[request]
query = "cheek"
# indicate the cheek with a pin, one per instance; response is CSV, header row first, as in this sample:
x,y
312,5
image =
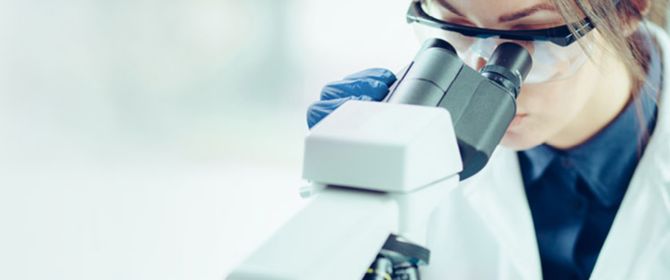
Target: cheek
x,y
549,107
548,101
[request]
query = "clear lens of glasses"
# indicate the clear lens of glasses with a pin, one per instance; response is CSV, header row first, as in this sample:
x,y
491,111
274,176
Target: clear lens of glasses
x,y
551,62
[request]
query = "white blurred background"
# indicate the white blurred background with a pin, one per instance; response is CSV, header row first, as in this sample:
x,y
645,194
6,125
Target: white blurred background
x,y
151,139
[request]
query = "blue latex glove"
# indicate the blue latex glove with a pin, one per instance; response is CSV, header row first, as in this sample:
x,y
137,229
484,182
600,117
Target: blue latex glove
x,y
368,85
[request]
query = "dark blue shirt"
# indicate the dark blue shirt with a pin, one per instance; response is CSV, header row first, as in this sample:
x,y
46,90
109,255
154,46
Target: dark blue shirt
x,y
574,194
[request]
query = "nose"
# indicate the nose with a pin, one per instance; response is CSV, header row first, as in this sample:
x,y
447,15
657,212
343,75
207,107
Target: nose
x,y
480,63
475,61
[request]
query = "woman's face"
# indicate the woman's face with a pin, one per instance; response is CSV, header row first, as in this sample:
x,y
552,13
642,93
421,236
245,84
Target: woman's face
x,y
546,111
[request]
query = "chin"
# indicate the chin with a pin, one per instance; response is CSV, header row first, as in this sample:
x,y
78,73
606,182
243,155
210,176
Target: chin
x,y
518,142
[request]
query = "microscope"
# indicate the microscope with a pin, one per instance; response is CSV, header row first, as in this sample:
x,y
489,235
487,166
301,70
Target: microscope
x,y
379,169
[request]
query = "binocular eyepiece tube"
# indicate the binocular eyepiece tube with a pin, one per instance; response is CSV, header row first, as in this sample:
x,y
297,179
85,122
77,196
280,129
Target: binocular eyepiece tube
x,y
482,104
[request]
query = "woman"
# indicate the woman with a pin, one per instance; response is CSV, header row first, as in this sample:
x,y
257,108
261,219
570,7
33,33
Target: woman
x,y
581,185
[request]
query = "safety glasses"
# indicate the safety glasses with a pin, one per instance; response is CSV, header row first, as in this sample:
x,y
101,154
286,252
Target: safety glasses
x,y
555,57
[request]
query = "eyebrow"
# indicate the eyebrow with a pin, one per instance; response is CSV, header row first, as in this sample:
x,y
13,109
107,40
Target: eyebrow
x,y
449,7
507,17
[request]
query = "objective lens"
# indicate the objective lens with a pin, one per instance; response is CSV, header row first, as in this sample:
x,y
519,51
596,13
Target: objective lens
x,y
381,269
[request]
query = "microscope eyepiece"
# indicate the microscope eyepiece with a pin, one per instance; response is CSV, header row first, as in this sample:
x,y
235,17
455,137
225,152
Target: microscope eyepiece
x,y
508,66
438,43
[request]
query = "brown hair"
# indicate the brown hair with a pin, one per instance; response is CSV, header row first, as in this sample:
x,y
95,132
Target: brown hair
x,y
618,33
618,30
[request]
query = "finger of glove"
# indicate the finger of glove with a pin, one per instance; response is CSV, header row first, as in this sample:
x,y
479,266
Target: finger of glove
x,y
373,88
379,74
321,109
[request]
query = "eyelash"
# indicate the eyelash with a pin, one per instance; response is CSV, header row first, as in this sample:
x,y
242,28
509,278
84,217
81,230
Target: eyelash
x,y
526,27
463,21
534,26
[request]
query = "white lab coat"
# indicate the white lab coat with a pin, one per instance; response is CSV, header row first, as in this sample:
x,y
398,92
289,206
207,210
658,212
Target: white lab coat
x,y
484,229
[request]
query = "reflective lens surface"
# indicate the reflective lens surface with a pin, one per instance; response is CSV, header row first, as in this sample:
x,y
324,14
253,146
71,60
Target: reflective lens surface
x,y
551,62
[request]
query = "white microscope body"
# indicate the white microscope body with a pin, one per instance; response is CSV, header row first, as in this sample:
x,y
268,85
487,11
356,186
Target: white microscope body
x,y
382,168
377,168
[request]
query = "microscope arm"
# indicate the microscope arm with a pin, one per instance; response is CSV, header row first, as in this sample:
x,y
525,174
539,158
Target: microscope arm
x,y
336,236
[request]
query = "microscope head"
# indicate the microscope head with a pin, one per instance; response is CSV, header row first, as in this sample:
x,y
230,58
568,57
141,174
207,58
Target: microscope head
x,y
482,104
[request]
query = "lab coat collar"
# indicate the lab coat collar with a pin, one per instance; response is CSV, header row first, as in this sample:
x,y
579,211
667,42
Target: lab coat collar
x,y
497,195
644,214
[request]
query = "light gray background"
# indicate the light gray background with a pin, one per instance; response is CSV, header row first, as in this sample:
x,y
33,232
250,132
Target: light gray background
x,y
152,139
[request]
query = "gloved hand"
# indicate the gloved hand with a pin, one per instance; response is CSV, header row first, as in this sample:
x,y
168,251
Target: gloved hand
x,y
368,85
